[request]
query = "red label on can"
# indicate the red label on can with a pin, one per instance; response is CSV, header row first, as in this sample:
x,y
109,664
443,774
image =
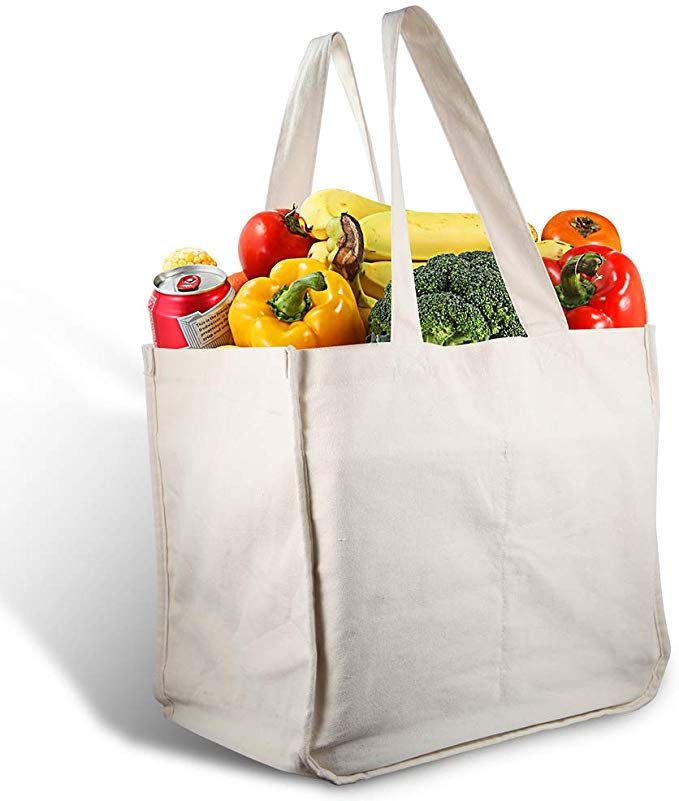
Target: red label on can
x,y
191,321
188,283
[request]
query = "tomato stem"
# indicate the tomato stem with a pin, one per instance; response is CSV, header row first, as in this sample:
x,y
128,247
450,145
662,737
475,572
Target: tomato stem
x,y
293,222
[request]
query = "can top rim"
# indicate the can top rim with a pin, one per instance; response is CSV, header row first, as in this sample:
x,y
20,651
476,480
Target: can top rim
x,y
211,278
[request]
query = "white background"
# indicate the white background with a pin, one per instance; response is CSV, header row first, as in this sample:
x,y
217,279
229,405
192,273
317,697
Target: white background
x,y
132,128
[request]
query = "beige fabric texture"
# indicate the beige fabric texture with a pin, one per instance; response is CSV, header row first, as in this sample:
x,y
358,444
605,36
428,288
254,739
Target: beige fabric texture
x,y
378,555
295,159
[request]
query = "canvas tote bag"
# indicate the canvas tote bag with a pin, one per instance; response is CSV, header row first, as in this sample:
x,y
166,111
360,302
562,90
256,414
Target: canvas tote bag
x,y
379,555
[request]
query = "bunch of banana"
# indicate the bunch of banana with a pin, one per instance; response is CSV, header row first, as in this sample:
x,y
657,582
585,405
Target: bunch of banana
x,y
430,233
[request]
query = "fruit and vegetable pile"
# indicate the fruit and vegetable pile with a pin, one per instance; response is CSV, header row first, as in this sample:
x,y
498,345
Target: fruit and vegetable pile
x,y
320,275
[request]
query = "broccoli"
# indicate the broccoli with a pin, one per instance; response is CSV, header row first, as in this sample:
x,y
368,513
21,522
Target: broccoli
x,y
461,298
445,318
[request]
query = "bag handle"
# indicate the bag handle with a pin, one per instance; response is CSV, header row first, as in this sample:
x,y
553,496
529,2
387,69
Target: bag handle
x,y
518,259
295,160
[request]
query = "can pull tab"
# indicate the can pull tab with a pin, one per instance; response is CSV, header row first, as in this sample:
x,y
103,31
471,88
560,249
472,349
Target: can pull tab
x,y
188,283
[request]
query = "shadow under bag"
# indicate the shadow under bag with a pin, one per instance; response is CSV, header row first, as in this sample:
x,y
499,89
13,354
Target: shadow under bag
x,y
379,555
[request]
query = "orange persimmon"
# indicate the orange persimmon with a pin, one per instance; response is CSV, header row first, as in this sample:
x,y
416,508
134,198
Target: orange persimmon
x,y
577,227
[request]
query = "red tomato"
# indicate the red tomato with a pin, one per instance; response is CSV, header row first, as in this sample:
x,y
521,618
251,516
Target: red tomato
x,y
270,237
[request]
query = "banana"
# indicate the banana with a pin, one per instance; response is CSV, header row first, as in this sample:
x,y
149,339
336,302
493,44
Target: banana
x,y
552,248
324,252
319,251
364,301
375,275
430,233
325,204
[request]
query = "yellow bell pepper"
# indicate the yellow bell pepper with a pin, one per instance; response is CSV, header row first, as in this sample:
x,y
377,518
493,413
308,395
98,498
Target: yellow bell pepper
x,y
300,304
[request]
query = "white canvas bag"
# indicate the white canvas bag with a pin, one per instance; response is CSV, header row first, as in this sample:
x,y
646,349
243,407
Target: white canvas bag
x,y
378,555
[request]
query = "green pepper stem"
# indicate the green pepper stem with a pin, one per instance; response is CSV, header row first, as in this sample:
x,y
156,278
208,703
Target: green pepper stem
x,y
574,291
292,302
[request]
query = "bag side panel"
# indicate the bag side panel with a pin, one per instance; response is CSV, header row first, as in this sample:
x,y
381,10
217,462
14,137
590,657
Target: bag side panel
x,y
484,526
238,658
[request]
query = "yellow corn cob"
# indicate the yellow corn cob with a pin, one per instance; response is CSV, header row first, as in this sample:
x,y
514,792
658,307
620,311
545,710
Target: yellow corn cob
x,y
184,256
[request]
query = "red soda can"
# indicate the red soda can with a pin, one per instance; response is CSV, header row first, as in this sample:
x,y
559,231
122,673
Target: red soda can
x,y
189,308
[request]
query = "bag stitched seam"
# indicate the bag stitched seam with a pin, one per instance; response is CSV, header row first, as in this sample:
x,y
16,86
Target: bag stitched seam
x,y
304,499
502,663
659,611
165,623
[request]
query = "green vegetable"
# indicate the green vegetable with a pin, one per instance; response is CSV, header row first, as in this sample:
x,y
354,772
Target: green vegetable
x,y
460,298
446,319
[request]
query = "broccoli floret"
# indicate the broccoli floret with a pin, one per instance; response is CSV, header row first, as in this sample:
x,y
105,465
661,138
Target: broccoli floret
x,y
379,320
434,276
480,283
483,287
447,320
486,256
511,329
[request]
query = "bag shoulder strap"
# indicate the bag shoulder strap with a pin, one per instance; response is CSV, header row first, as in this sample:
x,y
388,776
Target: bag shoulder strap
x,y
518,258
295,160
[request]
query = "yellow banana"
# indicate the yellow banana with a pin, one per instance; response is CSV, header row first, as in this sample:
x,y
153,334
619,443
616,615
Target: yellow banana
x,y
375,275
324,251
553,248
430,233
319,251
364,300
325,204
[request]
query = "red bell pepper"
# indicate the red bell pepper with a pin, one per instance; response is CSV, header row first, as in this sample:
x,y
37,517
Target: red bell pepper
x,y
598,288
